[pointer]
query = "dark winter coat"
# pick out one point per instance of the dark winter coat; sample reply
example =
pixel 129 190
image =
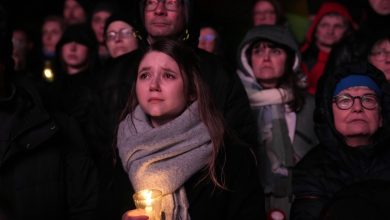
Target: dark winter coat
pixel 332 165
pixel 45 171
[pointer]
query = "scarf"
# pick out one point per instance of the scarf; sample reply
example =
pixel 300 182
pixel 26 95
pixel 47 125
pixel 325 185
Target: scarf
pixel 276 154
pixel 164 157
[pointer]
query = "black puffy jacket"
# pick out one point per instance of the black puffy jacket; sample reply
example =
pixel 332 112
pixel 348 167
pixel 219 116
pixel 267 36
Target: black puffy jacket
pixel 332 165
pixel 45 171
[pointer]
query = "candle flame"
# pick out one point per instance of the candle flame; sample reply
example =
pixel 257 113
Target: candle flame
pixel 148 197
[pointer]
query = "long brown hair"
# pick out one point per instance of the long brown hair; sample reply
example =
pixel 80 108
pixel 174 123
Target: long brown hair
pixel 194 87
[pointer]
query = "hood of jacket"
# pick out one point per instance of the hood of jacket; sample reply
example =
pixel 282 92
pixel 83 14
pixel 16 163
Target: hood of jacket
pixel 326 8
pixel 323 116
pixel 275 33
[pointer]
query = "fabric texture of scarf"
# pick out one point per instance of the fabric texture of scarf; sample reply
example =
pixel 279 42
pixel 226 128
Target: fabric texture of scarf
pixel 276 155
pixel 164 157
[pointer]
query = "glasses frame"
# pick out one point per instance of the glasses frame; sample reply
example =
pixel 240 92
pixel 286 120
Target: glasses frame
pixel 361 98
pixel 380 55
pixel 120 34
pixel 166 6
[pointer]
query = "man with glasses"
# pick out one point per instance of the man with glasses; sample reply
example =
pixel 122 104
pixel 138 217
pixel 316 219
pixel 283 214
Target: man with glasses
pixel 352 125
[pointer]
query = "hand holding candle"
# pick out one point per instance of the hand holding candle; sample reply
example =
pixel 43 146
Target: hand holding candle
pixel 150 201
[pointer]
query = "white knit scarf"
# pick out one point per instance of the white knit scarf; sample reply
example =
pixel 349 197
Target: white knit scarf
pixel 165 157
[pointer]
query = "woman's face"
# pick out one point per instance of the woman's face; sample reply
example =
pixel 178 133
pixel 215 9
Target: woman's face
pixel 382 7
pixel 160 88
pixel 264 14
pixel 120 39
pixel 51 34
pixel 208 39
pixel 97 24
pixel 380 57
pixel 357 124
pixel 75 56
pixel 268 64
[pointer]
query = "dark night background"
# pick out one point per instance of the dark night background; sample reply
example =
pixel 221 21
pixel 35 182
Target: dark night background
pixel 231 16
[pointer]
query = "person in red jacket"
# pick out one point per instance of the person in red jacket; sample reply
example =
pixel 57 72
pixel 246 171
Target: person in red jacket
pixel 331 24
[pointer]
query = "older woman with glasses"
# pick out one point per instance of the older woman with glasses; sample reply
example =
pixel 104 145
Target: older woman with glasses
pixel 351 119
pixel 120 35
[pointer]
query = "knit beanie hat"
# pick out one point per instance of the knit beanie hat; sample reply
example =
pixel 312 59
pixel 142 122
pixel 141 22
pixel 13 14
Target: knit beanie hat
pixel 120 17
pixel 105 6
pixel 356 80
pixel 80 33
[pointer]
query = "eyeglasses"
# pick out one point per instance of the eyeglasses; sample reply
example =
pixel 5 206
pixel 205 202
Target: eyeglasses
pixel 207 37
pixel 121 34
pixel 170 5
pixel 346 101
pixel 380 55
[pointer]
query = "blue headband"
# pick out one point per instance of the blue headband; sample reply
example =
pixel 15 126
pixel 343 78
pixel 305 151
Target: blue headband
pixel 356 80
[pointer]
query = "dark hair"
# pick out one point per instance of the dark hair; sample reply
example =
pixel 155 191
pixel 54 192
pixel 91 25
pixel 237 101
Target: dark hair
pixel 290 78
pixel 55 18
pixel 194 87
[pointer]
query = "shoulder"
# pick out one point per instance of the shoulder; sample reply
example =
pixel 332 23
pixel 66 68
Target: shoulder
pixel 316 174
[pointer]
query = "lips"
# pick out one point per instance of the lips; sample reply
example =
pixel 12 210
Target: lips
pixel 155 100
pixel 358 120
pixel 160 24
pixel 72 57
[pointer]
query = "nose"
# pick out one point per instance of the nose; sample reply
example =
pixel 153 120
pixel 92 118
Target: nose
pixel 160 8
pixel 73 46
pixel 154 84
pixel 266 55
pixel 357 105
pixel 117 38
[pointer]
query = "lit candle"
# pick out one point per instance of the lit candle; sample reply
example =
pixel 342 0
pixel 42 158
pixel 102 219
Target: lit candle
pixel 150 201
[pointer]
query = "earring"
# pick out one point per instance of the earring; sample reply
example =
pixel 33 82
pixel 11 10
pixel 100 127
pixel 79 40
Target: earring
pixel 186 35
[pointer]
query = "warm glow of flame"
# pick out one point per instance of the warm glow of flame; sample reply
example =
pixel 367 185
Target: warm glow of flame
pixel 148 197
pixel 48 73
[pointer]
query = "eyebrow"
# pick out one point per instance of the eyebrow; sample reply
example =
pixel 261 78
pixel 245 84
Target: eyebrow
pixel 144 68
pixel 168 69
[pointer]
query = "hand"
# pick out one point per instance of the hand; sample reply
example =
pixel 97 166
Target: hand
pixel 276 214
pixel 135 214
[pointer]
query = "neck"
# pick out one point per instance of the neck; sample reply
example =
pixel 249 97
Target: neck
pixel 269 85
pixel 103 51
pixel 75 70
pixel 356 141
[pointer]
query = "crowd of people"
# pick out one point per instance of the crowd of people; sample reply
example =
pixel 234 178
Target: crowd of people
pixel 114 103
